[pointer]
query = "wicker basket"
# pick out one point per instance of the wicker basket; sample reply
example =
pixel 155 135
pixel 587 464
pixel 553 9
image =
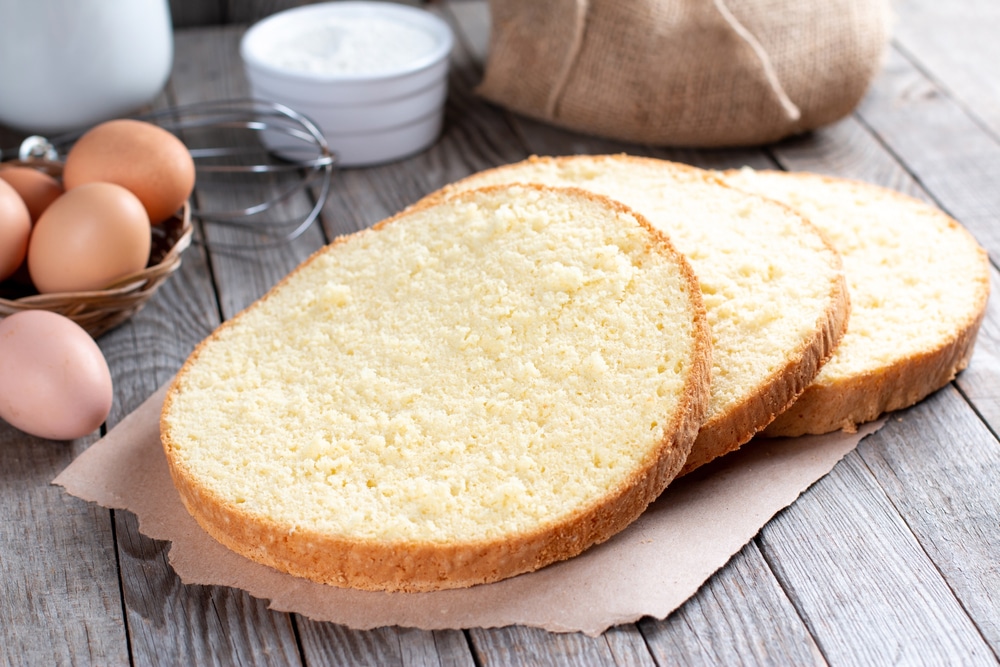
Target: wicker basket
pixel 101 310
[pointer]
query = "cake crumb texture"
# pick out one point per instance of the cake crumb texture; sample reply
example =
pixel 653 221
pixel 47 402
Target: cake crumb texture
pixel 918 284
pixel 773 288
pixel 473 389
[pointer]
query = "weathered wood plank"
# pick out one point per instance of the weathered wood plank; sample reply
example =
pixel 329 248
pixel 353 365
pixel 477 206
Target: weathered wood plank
pixel 174 623
pixel 544 139
pixel 880 599
pixel 952 156
pixel 327 644
pixel 59 600
pixel 941 470
pixel 956 44
pixel 517 646
pixel 628 646
pixel 848 150
pixel 142 353
pixel 453 648
pixel 740 616
pixel 169 622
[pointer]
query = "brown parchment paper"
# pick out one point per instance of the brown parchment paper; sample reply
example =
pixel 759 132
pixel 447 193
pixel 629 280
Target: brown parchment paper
pixel 649 569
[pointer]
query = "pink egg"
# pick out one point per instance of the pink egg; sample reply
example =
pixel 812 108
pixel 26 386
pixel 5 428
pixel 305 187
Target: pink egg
pixel 54 381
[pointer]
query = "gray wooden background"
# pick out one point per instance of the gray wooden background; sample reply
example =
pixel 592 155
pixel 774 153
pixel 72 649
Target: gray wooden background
pixel 893 558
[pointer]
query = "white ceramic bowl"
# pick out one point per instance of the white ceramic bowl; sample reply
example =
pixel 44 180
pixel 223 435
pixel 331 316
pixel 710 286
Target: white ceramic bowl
pixel 371 75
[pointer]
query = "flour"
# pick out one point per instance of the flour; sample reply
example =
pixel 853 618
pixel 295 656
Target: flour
pixel 349 45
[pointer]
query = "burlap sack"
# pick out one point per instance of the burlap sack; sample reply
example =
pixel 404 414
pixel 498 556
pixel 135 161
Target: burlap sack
pixel 684 72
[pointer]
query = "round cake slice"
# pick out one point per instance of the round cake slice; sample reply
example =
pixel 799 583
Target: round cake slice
pixel 918 284
pixel 470 390
pixel 774 289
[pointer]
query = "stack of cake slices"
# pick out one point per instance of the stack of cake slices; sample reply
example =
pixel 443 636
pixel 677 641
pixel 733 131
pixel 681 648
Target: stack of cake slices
pixel 508 372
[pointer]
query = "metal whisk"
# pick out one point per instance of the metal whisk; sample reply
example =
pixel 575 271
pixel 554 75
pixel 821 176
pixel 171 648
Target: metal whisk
pixel 286 142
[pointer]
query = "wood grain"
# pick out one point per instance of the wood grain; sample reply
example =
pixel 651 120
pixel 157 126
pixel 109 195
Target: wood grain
pixel 941 472
pixel 59 601
pixel 628 646
pixel 945 149
pixel 175 623
pixel 517 646
pixel 955 44
pixel 880 599
pixel 327 644
pixel 847 149
pixel 761 626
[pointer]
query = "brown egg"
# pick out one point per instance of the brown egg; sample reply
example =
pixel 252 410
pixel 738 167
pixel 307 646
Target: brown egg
pixel 54 381
pixel 144 158
pixel 89 237
pixel 15 228
pixel 36 188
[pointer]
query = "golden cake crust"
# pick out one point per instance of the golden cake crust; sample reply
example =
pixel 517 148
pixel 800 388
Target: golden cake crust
pixel 413 565
pixel 842 400
pixel 772 394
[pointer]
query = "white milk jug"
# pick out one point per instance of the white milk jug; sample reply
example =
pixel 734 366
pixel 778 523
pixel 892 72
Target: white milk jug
pixel 68 64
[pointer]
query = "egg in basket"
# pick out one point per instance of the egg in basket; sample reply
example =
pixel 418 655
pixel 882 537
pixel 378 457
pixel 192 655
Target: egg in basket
pixel 93 237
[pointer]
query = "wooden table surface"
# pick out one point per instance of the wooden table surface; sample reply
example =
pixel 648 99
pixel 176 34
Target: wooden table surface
pixel 894 557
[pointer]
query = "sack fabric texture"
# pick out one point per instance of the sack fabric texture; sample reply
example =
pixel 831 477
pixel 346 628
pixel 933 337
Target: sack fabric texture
pixel 685 72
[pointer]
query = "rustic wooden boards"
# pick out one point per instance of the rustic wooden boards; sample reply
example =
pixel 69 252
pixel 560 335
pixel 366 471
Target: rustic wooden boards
pixel 59 601
pixel 892 557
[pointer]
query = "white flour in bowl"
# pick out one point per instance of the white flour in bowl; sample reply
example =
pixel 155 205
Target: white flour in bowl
pixel 349 45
